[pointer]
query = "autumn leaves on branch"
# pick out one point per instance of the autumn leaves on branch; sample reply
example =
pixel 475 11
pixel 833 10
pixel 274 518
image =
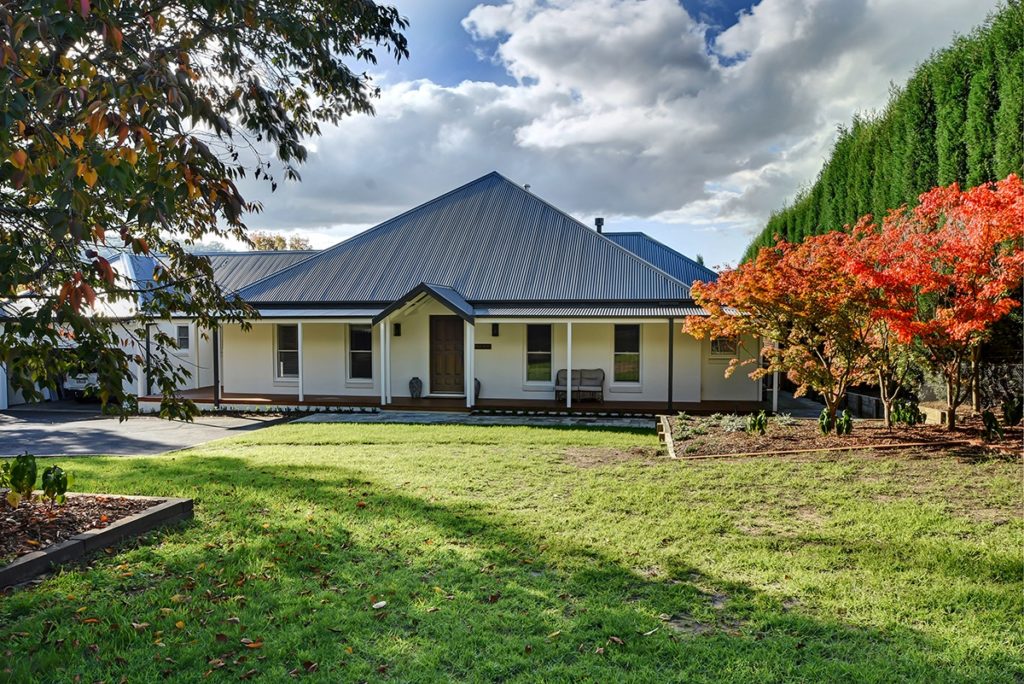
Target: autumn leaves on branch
pixel 860 305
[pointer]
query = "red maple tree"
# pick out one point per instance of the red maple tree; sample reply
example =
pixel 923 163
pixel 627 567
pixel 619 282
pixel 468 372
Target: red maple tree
pixel 947 270
pixel 813 313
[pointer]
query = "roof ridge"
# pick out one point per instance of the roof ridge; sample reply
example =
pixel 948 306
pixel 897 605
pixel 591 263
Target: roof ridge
pixel 591 231
pixel 372 229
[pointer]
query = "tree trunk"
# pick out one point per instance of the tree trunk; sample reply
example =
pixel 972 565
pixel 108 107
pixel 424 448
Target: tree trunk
pixel 975 379
pixel 951 395
pixel 886 396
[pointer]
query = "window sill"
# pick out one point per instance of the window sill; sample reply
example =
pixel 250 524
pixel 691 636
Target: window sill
pixel 538 387
pixel 359 382
pixel 286 382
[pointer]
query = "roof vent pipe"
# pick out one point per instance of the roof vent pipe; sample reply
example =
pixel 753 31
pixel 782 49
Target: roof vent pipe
pixel 599 223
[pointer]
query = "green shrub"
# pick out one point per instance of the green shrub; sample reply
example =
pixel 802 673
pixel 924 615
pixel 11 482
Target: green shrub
pixel 55 484
pixel 1013 411
pixel 993 430
pixel 906 412
pixel 825 422
pixel 20 476
pixel 844 423
pixel 757 423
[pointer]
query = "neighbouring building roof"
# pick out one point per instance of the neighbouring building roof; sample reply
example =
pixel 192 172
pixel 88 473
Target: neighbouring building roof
pixel 489 241
pixel 231 270
pixel 664 257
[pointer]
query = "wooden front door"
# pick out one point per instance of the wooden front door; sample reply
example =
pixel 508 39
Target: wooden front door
pixel 446 348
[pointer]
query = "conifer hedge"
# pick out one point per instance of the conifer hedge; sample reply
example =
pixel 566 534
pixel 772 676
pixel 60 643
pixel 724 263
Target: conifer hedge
pixel 958 119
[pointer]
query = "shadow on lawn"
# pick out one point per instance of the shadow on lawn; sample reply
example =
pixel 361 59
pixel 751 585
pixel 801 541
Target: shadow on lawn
pixel 471 595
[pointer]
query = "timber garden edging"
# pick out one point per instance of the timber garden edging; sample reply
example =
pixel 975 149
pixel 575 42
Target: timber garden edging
pixel 164 511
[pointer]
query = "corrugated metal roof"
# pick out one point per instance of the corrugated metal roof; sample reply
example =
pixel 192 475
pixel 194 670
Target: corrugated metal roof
pixel 584 311
pixel 664 257
pixel 234 270
pixel 489 240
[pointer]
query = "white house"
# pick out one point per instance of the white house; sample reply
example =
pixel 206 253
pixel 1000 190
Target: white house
pixel 482 298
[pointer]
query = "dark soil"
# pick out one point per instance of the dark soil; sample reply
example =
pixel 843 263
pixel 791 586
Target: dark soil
pixel 804 435
pixel 33 526
pixel 594 457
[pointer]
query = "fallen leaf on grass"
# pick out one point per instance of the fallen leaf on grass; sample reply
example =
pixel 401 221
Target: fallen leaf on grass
pixel 599 650
pixel 616 640
pixel 379 604
pixel 139 626
pixel 180 624
pixel 250 674
pixel 221 637
pixel 249 643
pixel 91 621
pixel 650 632
pixel 555 634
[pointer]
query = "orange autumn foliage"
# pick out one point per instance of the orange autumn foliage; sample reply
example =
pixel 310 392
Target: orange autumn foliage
pixel 935 277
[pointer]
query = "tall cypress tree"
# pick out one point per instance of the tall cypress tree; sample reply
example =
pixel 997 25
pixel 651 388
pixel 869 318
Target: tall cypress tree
pixel 982 105
pixel 949 80
pixel 1007 39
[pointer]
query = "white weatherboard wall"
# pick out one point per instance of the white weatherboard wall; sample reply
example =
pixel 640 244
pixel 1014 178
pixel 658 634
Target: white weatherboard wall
pixel 716 387
pixel 249 362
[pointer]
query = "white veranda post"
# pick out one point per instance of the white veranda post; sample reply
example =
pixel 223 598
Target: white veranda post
pixel 302 395
pixel 467 364
pixel 568 364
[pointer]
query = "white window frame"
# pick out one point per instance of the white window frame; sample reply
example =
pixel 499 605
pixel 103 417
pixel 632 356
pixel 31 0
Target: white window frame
pixel 732 354
pixel 629 385
pixel 538 384
pixel 278 377
pixel 349 379
pixel 188 338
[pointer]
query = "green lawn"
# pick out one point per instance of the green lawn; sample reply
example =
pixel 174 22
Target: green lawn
pixel 529 554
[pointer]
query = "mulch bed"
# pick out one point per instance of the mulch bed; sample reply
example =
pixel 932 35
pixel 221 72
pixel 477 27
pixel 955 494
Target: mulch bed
pixel 804 436
pixel 34 526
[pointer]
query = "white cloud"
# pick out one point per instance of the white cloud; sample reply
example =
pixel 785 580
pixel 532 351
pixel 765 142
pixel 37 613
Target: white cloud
pixel 621 108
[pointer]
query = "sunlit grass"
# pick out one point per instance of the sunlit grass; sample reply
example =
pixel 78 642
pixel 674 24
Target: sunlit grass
pixel 517 554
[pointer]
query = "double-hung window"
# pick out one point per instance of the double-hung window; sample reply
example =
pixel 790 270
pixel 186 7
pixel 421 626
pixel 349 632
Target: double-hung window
pixel 538 353
pixel 627 353
pixel 182 337
pixel 360 352
pixel 287 351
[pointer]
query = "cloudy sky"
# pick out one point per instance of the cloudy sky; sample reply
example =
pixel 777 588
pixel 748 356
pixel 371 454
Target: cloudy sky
pixel 689 120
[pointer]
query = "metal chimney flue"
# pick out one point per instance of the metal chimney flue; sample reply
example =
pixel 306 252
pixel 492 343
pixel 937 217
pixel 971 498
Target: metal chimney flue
pixel 599 224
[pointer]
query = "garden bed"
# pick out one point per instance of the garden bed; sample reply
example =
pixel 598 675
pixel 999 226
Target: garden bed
pixel 35 536
pixel 725 435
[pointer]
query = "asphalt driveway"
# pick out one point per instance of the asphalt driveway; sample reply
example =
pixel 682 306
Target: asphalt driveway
pixel 56 431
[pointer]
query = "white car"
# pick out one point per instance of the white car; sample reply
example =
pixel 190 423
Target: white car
pixel 77 385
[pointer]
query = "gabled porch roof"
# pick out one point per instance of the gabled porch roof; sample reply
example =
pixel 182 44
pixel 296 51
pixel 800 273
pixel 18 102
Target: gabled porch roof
pixel 447 296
